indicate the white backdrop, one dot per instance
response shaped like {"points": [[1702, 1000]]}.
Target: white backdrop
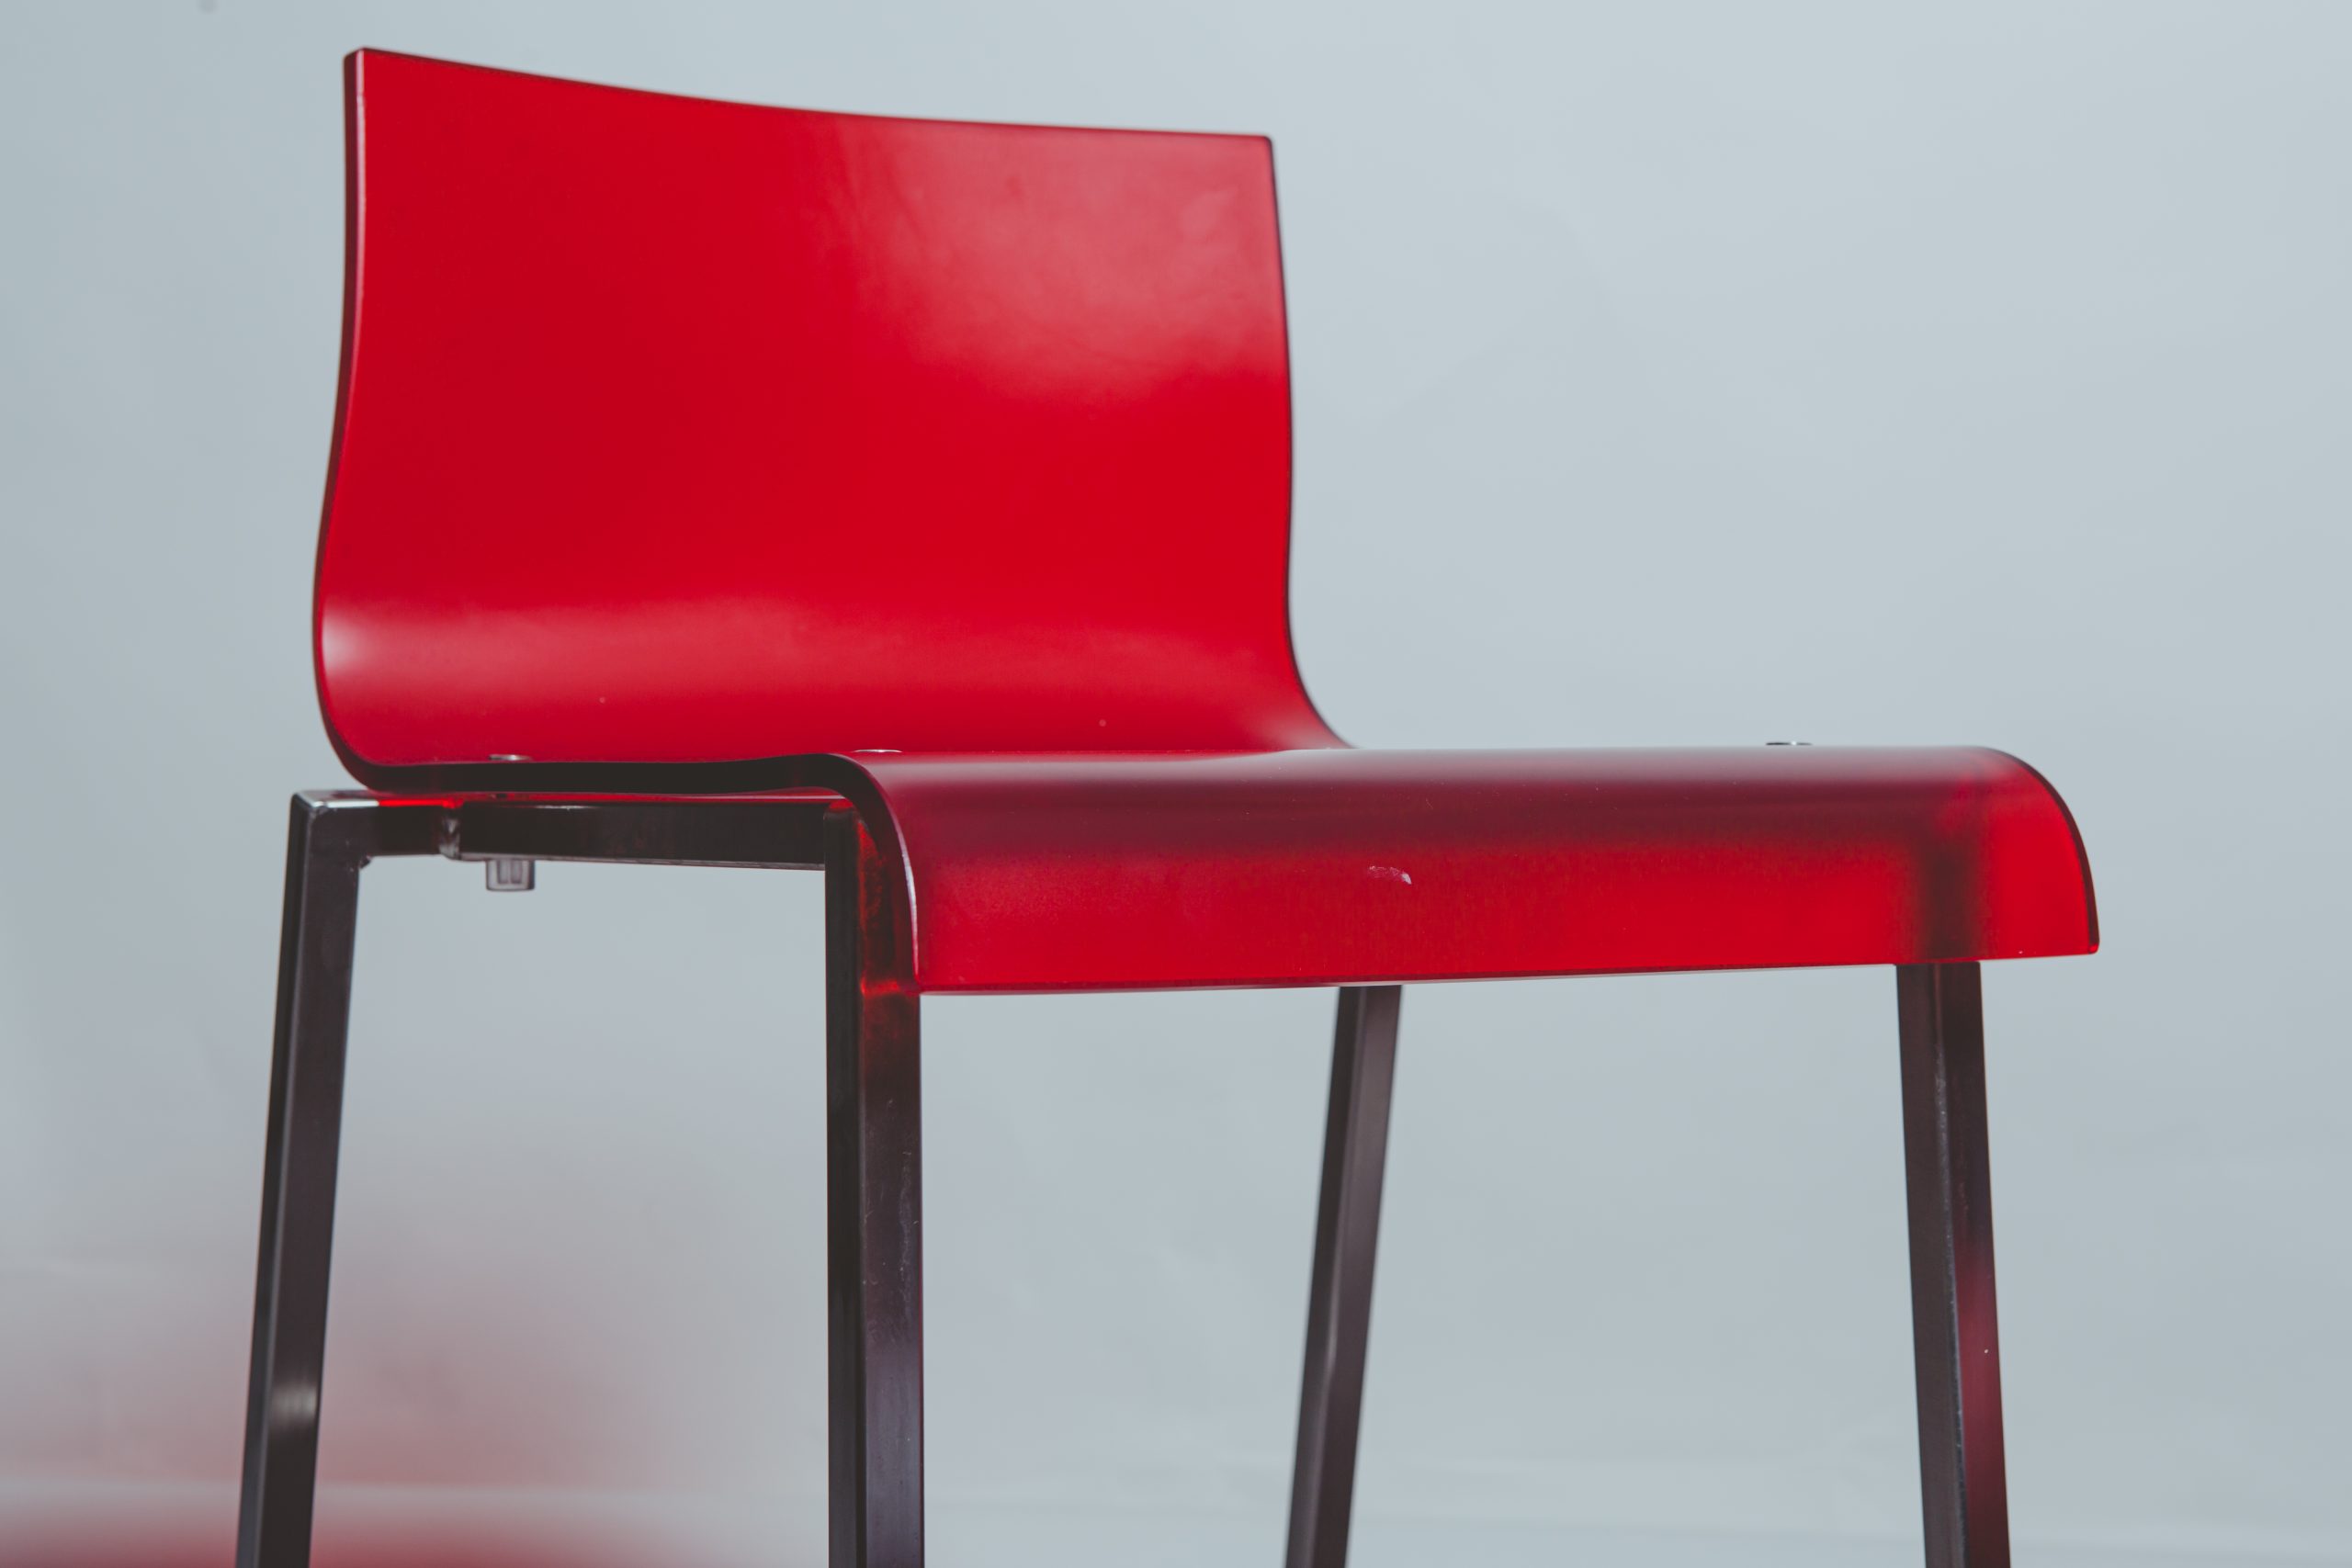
{"points": [[1664, 374]]}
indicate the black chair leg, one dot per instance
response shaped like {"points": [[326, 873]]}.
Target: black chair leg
{"points": [[874, 1218], [326, 846], [1955, 1335], [1338, 1316]]}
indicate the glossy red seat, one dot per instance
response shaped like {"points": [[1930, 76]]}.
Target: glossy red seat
{"points": [[755, 486]]}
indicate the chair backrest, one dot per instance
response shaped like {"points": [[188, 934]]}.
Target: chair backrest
{"points": [[682, 431]]}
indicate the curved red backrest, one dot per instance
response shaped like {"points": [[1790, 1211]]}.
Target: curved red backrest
{"points": [[675, 430]]}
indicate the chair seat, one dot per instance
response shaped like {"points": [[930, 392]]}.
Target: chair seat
{"points": [[1343, 866], [1358, 866]]}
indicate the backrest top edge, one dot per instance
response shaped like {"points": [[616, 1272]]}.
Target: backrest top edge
{"points": [[359, 58]]}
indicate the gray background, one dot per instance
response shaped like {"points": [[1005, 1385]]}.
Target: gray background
{"points": [[1665, 374]]}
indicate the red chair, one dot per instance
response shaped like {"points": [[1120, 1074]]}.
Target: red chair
{"points": [[741, 486]]}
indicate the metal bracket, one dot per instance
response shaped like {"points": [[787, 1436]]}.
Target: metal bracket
{"points": [[504, 873]]}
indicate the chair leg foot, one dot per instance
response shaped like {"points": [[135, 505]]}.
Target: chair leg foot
{"points": [[873, 1219], [1339, 1317], [1955, 1335], [325, 851]]}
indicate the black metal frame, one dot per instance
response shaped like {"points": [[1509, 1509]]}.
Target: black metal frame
{"points": [[1339, 1296], [1955, 1335], [873, 1169]]}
